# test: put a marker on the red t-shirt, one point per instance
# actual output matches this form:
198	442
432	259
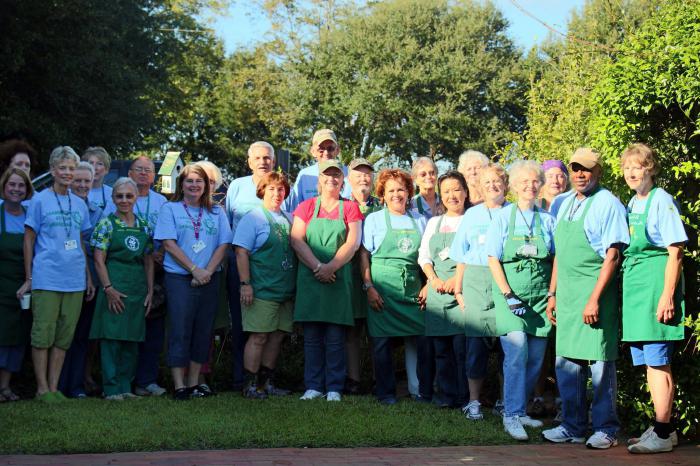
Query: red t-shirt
351	211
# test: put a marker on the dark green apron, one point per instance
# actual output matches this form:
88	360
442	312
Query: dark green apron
397	278
643	274
578	267
443	316
273	267
528	277
15	324
324	302
360	306
127	274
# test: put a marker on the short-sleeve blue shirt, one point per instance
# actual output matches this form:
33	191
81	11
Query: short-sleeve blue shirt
148	208
253	229
306	187
374	229
14	223
664	225
240	199
469	244
102	197
497	233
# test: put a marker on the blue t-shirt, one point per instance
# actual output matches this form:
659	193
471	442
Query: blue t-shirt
57	227
253	229
374	229
498	230
664	225
148	208
102	197
306	187
174	223
240	199
419	201
605	223
469	244
14	223
558	201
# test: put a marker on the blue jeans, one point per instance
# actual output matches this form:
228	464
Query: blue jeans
522	361
324	356
72	380
149	352
478	350
238	337
446	368
572	376
384	367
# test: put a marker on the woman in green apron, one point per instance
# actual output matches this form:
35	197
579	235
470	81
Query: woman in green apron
426	202
267	268
652	289
473	286
520	247
444	319
325	235
124	264
392	278
15	322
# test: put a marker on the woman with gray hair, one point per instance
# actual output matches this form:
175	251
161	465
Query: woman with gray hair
470	164
520	248
55	271
424	173
124	264
100	194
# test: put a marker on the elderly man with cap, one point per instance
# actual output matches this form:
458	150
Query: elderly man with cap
360	176
583	302
324	146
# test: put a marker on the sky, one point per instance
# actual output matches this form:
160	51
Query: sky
245	24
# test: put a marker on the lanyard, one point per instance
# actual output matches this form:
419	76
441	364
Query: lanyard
195	225
68	227
528	225
148	208
104	201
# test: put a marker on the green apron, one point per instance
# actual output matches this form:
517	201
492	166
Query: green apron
273	267
324	302
578	267
397	278
480	311
643	272
529	279
443	316
127	274
360	306
15	324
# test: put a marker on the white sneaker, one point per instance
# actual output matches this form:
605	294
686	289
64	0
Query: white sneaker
152	389
129	395
333	396
560	435
114	397
601	441
650	442
527	421
472	410
514	428
311	395
633	440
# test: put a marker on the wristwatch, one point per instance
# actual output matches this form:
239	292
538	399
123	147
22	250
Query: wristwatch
367	286
508	295
551	294
243	283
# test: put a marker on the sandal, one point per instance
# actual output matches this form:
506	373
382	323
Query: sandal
8	395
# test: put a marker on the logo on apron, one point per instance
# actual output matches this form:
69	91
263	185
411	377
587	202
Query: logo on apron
404	244
132	243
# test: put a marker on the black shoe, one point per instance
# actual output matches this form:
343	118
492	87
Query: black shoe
196	392
352	386
182	394
388	401
253	393
204	388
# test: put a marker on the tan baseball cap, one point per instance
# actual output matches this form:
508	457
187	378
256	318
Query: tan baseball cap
360	162
586	157
324	134
326	164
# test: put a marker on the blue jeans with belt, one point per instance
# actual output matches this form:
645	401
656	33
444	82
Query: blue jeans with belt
523	356
324	356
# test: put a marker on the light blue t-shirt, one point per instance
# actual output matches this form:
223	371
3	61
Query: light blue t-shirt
174	223
416	210
102	197
558	201
306	187
374	229
14	223
148	207
253	229
240	199
664	225
498	230
54	267
469	244
605	223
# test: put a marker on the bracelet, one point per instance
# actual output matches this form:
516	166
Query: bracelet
551	294
192	269
106	287
318	267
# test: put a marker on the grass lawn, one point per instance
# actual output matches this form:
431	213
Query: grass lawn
230	421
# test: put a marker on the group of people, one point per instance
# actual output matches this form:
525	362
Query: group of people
443	264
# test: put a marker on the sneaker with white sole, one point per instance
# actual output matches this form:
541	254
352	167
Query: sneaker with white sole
560	435
601	441
333	396
651	443
152	389
118	397
311	394
673	436
498	408
472	410
514	428
527	421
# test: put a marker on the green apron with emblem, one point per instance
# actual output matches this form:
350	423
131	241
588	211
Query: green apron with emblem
578	267
324	302
360	306
528	276
643	272
15	324
397	278
273	267
443	316
127	274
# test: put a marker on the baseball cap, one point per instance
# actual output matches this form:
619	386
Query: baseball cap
360	162
586	157
326	164
324	134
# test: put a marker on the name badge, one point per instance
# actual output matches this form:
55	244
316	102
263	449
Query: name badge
70	244
198	246
527	250
482	239
444	254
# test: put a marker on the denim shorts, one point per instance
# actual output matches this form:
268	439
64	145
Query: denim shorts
651	353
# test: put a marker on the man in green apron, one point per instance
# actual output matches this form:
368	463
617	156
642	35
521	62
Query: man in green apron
584	305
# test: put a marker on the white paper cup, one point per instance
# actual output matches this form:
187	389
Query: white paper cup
26	301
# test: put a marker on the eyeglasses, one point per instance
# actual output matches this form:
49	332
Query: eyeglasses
142	170
124	196
328	148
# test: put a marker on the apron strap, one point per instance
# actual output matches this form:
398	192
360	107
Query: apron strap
511	222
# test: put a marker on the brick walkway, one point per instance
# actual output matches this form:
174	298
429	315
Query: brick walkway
510	455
